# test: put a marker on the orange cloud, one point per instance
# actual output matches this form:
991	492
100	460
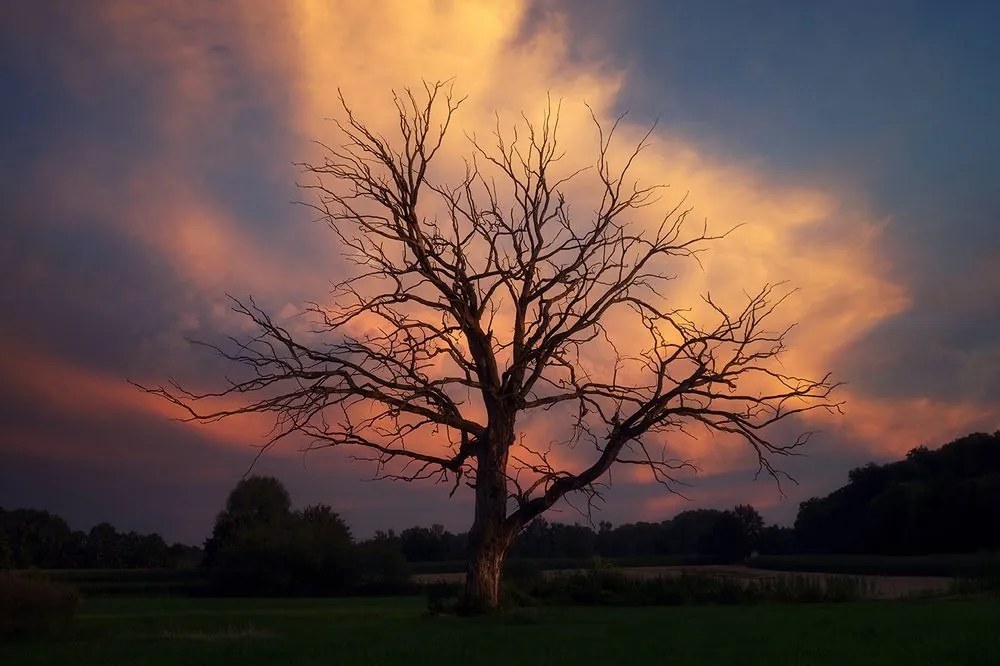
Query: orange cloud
891	427
80	392
821	239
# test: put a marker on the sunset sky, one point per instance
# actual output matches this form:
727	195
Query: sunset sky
147	170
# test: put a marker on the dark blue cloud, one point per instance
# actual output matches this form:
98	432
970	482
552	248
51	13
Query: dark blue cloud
895	102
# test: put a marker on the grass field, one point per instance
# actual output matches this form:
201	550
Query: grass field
138	632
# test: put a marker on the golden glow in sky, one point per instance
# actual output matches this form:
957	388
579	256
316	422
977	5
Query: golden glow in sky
262	79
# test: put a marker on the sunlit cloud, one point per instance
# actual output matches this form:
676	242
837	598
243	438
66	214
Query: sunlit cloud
70	390
218	92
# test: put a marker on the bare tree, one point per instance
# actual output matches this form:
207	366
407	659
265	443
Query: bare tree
480	302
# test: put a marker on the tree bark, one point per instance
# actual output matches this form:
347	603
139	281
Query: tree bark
490	536
482	582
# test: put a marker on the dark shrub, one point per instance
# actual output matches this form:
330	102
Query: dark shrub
30	605
443	598
383	569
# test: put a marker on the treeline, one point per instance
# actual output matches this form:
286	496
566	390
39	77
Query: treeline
941	501
933	502
39	539
703	534
261	546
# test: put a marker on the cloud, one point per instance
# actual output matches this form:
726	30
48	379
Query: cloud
189	119
75	392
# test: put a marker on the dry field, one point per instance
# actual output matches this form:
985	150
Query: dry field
881	587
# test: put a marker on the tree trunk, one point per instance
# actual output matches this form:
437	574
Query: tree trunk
482	581
490	536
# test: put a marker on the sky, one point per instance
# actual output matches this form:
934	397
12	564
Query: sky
148	169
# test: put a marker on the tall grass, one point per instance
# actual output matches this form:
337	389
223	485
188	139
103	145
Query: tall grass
605	585
31	605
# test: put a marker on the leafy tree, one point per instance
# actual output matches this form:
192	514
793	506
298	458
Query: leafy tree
933	501
688	532
489	299
260	546
421	544
321	554
145	550
247	550
6	553
751	525
104	547
39	539
555	540
726	540
734	534
383	566
776	540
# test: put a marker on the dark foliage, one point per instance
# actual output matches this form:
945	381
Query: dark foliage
943	501
260	546
383	567
434	544
31	605
39	539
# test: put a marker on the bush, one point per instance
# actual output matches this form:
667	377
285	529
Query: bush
383	569
30	605
443	598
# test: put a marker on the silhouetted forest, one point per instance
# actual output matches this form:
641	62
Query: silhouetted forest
710	534
30	538
934	501
261	546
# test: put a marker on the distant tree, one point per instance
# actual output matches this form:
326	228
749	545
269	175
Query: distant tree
104	547
6	553
260	546
726	540
382	563
39	539
734	534
247	552
477	300
776	540
751	524
255	502
933	501
321	556
433	544
628	539
145	551
182	556
687	532
603	540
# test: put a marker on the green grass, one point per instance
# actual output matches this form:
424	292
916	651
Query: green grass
131	582
141	632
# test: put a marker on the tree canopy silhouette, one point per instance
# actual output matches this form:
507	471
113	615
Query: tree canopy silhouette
934	501
260	546
480	302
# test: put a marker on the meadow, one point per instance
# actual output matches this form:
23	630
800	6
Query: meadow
153	631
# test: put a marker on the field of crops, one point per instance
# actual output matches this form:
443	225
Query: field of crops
398	631
870	586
